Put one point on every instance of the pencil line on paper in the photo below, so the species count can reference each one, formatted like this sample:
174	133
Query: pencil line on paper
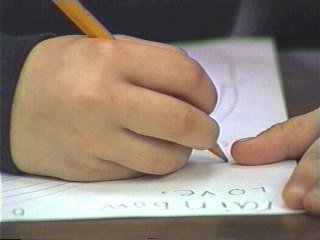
38	197
32	185
33	191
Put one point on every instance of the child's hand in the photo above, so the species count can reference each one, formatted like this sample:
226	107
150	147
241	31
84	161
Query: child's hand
295	138
92	109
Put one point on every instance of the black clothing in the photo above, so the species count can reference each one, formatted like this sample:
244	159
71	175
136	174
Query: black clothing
14	51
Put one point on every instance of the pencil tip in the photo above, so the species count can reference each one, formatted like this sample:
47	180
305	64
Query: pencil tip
218	151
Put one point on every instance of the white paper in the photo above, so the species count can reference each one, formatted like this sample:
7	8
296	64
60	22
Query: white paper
249	88
251	100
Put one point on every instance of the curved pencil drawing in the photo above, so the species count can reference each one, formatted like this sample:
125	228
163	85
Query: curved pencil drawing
227	87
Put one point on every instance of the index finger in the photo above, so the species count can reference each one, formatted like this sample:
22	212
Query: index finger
169	72
160	116
283	141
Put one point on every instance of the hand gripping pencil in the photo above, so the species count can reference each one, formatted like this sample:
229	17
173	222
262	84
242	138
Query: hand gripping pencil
90	26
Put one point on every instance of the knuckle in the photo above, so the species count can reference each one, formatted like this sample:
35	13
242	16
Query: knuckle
170	162
194	73
281	130
209	138
180	123
86	100
178	50
279	127
297	124
312	155
90	99
126	107
197	81
209	99
109	50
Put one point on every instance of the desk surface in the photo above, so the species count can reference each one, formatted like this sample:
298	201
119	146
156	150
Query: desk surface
301	85
249	227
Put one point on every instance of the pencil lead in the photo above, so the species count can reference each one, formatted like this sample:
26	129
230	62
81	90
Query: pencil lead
218	151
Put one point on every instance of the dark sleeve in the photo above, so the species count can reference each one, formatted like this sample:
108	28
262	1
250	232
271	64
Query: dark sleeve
14	51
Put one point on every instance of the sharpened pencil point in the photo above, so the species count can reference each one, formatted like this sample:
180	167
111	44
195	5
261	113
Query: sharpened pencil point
218	151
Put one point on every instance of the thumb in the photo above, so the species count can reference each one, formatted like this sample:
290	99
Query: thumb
283	141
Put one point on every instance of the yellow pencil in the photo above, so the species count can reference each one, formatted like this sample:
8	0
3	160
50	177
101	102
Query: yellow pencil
80	16
89	25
